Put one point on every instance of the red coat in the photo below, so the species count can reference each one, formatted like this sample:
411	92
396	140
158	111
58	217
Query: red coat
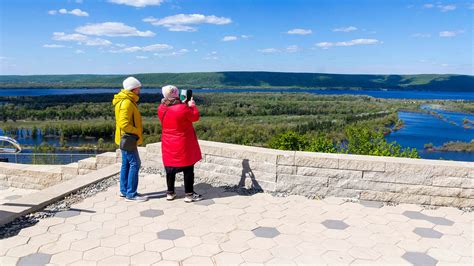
179	144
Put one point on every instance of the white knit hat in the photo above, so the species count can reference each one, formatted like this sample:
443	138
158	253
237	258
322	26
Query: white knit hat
131	83
170	91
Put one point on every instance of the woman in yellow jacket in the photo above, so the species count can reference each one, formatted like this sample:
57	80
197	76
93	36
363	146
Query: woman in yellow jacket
128	120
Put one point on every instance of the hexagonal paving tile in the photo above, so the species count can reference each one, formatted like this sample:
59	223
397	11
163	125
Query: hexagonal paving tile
267	232
205	202
418	258
414	215
67	214
170	234
151	213
433	219
427	232
35	259
439	220
335	224
371	204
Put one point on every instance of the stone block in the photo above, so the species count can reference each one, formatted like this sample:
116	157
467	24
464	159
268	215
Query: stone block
85	171
430	167
395	177
331	173
395	197
223	161
286	158
68	177
467	193
89	164
286	169
314	159
153	157
107	158
343	192
100	166
369	164
154	148
452	201
301	185
70	169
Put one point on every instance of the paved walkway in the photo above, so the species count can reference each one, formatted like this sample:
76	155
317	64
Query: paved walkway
8	194
231	229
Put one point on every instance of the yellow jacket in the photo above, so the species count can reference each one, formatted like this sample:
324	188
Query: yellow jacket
127	116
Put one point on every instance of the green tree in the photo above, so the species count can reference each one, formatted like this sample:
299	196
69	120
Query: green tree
322	143
289	140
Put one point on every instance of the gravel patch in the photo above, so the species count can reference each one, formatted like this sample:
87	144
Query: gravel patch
14	227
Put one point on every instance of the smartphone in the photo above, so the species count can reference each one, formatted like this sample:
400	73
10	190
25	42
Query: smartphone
185	95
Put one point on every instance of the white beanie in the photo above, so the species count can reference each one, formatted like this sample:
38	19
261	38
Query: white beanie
131	83
170	91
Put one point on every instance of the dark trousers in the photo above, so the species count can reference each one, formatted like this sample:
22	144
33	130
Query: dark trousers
188	172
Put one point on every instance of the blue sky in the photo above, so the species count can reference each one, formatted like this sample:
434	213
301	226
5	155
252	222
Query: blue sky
147	36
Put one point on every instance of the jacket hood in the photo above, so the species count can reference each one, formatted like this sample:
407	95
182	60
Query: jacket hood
124	94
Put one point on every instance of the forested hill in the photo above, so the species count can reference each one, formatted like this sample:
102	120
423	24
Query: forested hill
428	82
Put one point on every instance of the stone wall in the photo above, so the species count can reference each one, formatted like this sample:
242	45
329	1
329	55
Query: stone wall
431	182
33	176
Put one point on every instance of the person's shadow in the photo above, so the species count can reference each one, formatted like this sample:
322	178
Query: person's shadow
247	174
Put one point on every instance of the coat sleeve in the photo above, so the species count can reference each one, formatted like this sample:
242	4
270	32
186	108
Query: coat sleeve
192	114
125	119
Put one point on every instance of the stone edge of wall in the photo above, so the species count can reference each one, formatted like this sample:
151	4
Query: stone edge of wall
32	176
40	199
389	179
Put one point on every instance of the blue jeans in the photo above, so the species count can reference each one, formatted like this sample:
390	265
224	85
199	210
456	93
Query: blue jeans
129	173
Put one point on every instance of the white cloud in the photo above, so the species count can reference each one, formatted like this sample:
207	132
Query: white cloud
79	1
79	38
269	50
293	48
181	22
299	32
428	6
75	12
61	36
97	42
149	48
112	29
137	3
326	45
447	34
174	53
141	57
446	8
53	46
345	29
243	36
471	6
229	38
79	51
421	35
78	12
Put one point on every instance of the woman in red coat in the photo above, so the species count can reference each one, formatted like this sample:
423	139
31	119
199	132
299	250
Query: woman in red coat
179	145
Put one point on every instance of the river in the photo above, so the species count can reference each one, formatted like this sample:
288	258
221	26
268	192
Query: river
386	94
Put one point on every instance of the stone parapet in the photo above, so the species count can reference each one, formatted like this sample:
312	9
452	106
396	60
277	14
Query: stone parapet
401	180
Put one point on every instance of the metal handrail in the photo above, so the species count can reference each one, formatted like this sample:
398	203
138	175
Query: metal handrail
16	157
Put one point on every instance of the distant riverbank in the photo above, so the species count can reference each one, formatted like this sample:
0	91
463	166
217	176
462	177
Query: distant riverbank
384	94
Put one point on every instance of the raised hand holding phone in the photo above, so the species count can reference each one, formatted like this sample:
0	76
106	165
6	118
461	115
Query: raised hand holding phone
191	102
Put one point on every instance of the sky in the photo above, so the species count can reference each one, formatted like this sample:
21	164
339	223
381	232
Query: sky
155	36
